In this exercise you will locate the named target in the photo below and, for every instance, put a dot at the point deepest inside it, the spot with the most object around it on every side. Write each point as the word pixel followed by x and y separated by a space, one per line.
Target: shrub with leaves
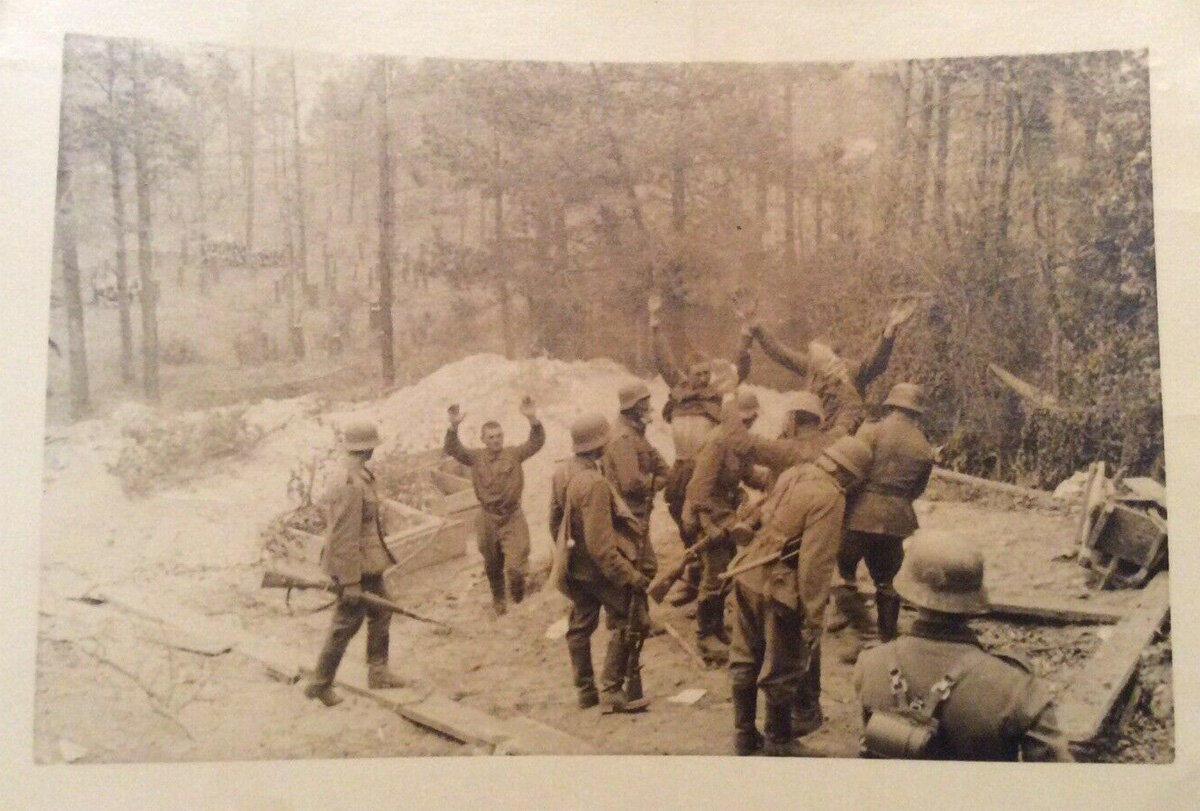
pixel 161 450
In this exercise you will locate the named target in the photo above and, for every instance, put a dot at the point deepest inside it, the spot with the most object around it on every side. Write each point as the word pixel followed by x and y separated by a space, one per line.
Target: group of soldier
pixel 766 524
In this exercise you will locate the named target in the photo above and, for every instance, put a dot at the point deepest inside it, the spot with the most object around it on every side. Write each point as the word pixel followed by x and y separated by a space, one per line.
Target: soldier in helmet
pixel 726 461
pixel 801 439
pixel 780 587
pixel 693 410
pixel 935 693
pixel 635 467
pixel 355 557
pixel 503 532
pixel 880 516
pixel 609 567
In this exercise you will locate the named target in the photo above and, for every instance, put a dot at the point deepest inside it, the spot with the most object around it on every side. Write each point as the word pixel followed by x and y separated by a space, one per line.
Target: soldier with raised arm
pixel 840 384
pixel 499 483
pixel 693 409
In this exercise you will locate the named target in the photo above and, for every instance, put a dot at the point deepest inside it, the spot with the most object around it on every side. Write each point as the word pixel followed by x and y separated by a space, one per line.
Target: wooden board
pixel 1041 496
pixel 1087 701
pixel 527 736
pixel 1052 608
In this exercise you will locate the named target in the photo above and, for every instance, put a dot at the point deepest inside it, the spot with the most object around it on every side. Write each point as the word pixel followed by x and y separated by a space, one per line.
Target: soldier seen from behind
pixel 503 532
pixel 935 693
pixel 780 588
pixel 355 557
pixel 881 515
pixel 609 564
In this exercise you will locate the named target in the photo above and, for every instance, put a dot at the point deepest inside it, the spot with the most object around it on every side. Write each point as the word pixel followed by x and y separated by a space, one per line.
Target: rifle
pixel 273 579
pixel 635 636
pixel 662 584
pixel 754 564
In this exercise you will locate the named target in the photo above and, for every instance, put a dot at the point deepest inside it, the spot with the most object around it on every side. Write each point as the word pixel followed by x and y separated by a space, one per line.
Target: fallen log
pixel 953 476
pixel 1087 701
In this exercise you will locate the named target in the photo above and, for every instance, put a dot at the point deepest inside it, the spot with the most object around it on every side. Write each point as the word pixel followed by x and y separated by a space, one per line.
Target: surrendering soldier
pixel 499 481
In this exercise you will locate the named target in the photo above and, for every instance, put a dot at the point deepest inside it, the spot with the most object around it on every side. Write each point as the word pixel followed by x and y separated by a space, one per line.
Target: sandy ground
pixel 197 545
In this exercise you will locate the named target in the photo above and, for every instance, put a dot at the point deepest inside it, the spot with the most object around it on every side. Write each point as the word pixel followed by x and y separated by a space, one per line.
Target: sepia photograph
pixel 405 406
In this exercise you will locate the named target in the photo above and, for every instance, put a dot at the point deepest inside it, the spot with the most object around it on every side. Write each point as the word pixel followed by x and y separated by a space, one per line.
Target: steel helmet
pixel 361 435
pixel 805 401
pixel 632 393
pixel 851 454
pixel 943 574
pixel 589 432
pixel 746 402
pixel 908 396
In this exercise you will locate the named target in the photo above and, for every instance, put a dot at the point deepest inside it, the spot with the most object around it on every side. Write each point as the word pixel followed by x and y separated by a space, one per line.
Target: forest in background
pixel 1011 196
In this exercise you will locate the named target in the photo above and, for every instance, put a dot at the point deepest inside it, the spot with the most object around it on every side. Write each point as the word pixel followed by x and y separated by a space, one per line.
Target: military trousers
pixel 675 494
pixel 767 650
pixel 504 544
pixel 883 555
pixel 347 619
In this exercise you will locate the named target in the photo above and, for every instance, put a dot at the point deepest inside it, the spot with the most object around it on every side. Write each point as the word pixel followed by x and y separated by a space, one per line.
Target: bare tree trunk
pixel 298 158
pixel 500 271
pixel 149 294
pixel 76 343
pixel 943 148
pixel 386 217
pixel 118 197
pixel 789 180
pixel 1010 159
pixel 921 156
pixel 251 133
pixel 903 142
pixel 679 164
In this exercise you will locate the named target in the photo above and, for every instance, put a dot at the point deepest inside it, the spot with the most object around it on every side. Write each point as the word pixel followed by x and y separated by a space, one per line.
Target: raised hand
pixel 745 304
pixel 528 409
pixel 654 307
pixel 900 314
pixel 456 416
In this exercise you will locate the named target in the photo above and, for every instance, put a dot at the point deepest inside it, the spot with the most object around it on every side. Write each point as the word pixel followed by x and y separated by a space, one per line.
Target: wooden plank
pixel 1087 701
pixel 457 721
pixel 1043 496
pixel 1052 608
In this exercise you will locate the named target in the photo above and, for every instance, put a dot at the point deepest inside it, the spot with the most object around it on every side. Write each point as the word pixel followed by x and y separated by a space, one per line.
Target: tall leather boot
pixel 746 738
pixel 612 677
pixel 780 740
pixel 585 679
pixel 321 685
pixel 688 587
pixel 710 618
pixel 496 582
pixel 806 705
pixel 887 604
pixel 378 675
pixel 852 606
pixel 516 587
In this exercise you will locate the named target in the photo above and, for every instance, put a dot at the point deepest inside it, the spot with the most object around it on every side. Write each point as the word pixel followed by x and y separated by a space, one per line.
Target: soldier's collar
pixel 945 632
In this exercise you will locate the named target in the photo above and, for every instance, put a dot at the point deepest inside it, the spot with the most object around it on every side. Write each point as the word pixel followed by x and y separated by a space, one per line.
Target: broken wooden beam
pixel 1088 700
pixel 953 476
pixel 1051 608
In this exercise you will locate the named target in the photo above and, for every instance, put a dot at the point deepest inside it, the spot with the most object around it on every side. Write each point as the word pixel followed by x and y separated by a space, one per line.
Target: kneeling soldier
pixel 355 556
pixel 780 587
pixel 934 693
pixel 609 566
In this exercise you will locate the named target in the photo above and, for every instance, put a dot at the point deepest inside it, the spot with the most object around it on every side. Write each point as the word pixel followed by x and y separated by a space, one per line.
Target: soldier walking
pixel 880 516
pixel 693 410
pixel 355 557
pixel 780 589
pixel 499 481
pixel 609 566
pixel 935 693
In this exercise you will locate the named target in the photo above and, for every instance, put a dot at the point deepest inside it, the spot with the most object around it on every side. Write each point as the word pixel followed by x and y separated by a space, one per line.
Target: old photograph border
pixel 531 33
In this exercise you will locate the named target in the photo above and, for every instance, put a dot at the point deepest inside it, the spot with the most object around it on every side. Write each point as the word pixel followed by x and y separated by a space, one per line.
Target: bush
pixel 178 351
pixel 161 450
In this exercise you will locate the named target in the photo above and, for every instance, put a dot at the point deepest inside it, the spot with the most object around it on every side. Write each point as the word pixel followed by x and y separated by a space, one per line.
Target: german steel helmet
pixel 746 403
pixel 360 435
pixel 851 454
pixel 589 432
pixel 805 401
pixel 908 396
pixel 943 574
pixel 632 393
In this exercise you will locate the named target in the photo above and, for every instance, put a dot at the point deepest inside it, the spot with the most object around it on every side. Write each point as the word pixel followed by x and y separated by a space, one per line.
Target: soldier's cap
pixel 632 393
pixel 908 396
pixel 943 574
pixel 589 432
pixel 805 401
pixel 360 435
pixel 851 454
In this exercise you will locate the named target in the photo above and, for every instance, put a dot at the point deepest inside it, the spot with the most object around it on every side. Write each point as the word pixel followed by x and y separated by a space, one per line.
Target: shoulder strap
pixel 928 707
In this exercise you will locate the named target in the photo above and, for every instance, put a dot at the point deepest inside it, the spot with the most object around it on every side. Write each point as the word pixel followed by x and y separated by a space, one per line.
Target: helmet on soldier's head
pixel 943 574
pixel 908 396
pixel 747 403
pixel 589 432
pixel 805 401
pixel 361 435
pixel 631 394
pixel 851 454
